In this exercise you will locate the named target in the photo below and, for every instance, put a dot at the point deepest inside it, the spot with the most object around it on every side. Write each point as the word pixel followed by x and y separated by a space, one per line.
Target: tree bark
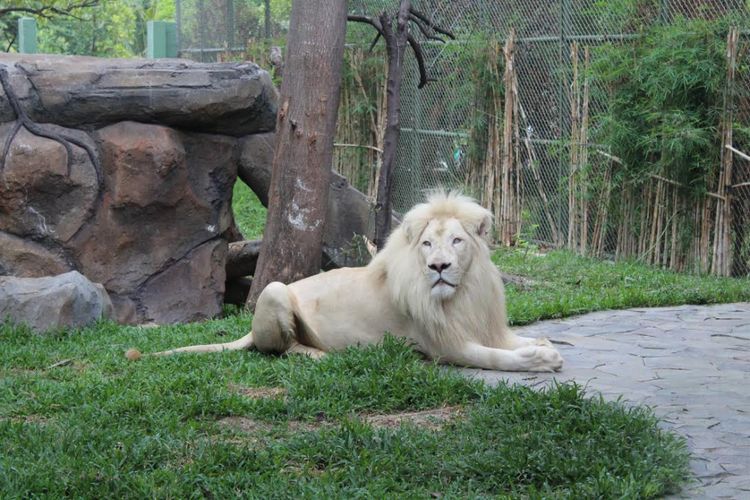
pixel 395 42
pixel 304 147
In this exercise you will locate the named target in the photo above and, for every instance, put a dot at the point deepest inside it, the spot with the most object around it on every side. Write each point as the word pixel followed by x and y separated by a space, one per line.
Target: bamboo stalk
pixel 574 137
pixel 673 242
pixel 518 188
pixel 706 229
pixel 507 229
pixel 737 152
pixel 583 155
pixel 600 226
pixel 642 232
pixel 721 263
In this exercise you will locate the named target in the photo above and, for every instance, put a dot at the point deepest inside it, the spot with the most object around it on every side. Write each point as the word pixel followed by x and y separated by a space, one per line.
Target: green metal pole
pixel 27 35
pixel 161 39
pixel 230 25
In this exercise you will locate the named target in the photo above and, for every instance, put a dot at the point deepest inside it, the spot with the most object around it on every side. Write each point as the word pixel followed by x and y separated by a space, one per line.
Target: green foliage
pixel 665 96
pixel 107 29
pixel 51 10
pixel 249 213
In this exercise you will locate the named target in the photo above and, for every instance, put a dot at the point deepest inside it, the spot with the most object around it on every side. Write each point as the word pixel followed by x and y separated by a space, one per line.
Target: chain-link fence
pixel 617 129
pixel 212 30
pixel 604 127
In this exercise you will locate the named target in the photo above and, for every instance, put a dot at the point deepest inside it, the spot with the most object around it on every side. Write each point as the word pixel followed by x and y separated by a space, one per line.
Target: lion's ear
pixel 413 227
pixel 414 221
pixel 485 226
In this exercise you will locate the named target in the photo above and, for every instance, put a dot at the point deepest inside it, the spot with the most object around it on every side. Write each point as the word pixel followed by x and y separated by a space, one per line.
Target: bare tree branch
pixel 367 20
pixel 372 45
pixel 428 22
pixel 424 29
pixel 419 56
pixel 10 43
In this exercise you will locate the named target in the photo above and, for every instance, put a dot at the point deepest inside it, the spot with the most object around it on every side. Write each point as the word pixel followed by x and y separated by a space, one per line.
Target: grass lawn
pixel 78 419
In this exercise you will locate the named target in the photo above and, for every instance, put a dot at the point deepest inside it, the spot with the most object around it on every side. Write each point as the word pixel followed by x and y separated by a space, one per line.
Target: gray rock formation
pixel 65 301
pixel 88 92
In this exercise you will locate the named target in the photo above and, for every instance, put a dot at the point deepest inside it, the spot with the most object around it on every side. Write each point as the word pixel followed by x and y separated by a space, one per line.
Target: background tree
pixel 396 38
pixel 50 9
pixel 305 127
pixel 86 27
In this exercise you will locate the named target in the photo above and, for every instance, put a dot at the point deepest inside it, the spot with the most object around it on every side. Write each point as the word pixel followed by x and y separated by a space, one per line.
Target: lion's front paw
pixel 540 358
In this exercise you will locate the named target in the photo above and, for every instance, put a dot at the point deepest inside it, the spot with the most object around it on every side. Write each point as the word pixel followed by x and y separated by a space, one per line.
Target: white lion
pixel 433 284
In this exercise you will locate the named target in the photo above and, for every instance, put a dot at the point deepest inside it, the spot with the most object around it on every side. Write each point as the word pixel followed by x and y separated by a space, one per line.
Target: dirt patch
pixel 244 424
pixel 258 392
pixel 522 282
pixel 27 419
pixel 434 419
pixel 252 426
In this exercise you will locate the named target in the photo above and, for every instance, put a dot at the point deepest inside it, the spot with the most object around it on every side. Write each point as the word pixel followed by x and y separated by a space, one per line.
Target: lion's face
pixel 445 254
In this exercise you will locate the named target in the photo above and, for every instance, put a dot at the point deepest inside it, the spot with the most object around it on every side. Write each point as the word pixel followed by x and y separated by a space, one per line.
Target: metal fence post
pixel 178 25
pixel 563 167
pixel 27 35
pixel 267 18
pixel 202 30
pixel 230 25
pixel 161 39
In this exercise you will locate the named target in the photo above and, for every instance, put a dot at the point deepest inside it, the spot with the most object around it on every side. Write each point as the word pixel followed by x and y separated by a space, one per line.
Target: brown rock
pixel 138 228
pixel 349 215
pixel 28 259
pixel 256 163
pixel 38 198
pixel 166 194
pixel 191 289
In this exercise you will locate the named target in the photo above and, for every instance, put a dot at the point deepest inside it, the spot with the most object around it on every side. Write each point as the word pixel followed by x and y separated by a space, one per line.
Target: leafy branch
pixel 49 11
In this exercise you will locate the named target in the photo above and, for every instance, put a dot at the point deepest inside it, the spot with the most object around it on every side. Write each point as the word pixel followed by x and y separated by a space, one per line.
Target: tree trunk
pixel 395 46
pixel 304 146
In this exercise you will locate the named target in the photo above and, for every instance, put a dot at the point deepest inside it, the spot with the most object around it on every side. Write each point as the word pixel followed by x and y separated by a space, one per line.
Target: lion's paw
pixel 540 358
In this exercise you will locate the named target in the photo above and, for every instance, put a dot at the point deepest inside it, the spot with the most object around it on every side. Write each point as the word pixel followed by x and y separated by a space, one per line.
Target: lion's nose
pixel 439 266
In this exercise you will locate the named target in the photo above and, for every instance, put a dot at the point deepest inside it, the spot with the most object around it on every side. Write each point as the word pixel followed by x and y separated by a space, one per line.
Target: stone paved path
pixel 691 364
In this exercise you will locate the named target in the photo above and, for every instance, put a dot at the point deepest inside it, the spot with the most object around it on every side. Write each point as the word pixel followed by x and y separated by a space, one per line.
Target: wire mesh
pixel 213 30
pixel 551 165
pixel 569 195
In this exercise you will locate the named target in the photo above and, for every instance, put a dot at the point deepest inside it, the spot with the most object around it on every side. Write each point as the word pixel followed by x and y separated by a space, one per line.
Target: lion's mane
pixel 477 309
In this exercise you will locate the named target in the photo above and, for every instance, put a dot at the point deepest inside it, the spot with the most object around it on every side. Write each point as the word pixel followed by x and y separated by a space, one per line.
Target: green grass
pixel 250 215
pixel 101 426
pixel 564 284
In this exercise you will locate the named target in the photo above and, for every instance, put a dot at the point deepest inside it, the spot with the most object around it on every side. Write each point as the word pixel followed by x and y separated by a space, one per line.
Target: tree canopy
pixel 85 27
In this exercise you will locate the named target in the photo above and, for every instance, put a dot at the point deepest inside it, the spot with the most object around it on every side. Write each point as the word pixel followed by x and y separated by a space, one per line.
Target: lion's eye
pixel 456 241
pixel 426 244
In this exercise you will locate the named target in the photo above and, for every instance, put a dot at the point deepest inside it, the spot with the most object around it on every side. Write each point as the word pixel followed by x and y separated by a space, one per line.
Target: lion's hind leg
pixel 278 326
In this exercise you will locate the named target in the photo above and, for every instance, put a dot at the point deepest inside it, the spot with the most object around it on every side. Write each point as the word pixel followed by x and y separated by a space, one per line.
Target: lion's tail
pixel 245 342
